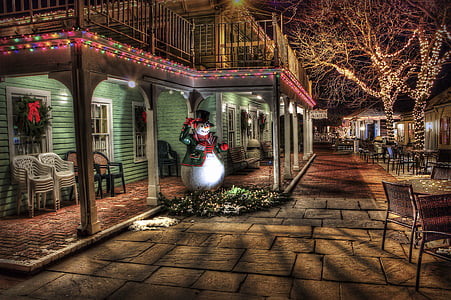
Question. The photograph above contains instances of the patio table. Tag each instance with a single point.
(427, 186)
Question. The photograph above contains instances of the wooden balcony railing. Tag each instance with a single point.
(145, 24)
(149, 25)
(241, 44)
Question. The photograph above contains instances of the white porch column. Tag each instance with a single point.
(275, 136)
(308, 135)
(295, 138)
(287, 136)
(153, 187)
(219, 132)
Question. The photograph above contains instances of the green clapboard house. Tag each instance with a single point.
(118, 82)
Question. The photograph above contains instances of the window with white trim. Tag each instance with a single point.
(231, 125)
(18, 112)
(101, 126)
(140, 130)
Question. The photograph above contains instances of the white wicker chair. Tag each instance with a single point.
(63, 172)
(33, 178)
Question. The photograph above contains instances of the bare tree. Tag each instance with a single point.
(362, 41)
(384, 48)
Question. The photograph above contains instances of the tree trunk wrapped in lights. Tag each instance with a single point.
(388, 109)
(418, 116)
(430, 61)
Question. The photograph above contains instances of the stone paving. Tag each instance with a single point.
(322, 244)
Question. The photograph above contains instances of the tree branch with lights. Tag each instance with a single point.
(383, 48)
(354, 39)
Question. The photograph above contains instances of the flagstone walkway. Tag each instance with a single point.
(322, 244)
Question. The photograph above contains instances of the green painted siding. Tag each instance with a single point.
(123, 131)
(63, 132)
(171, 114)
(239, 102)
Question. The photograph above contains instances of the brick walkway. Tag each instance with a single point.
(26, 239)
(323, 244)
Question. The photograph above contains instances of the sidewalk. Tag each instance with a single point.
(323, 244)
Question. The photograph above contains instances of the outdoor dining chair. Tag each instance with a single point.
(441, 172)
(63, 173)
(394, 158)
(435, 219)
(401, 209)
(72, 157)
(35, 179)
(166, 157)
(108, 170)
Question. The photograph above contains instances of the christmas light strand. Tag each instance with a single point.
(92, 41)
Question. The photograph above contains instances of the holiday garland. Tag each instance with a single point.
(32, 117)
(231, 201)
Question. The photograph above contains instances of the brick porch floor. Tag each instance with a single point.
(27, 243)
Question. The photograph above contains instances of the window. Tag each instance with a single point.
(231, 125)
(22, 140)
(101, 126)
(140, 130)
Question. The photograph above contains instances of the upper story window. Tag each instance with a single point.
(101, 114)
(29, 115)
(140, 130)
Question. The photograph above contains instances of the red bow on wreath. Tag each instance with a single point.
(33, 112)
(144, 116)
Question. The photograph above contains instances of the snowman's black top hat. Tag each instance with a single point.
(202, 116)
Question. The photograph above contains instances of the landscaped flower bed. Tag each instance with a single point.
(233, 201)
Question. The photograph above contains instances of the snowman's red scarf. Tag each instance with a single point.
(208, 141)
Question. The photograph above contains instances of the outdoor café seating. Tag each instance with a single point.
(435, 219)
(72, 157)
(441, 172)
(108, 170)
(167, 157)
(393, 158)
(35, 179)
(401, 210)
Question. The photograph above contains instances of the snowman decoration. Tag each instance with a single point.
(202, 166)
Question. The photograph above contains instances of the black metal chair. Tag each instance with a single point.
(435, 219)
(393, 158)
(166, 157)
(72, 156)
(108, 170)
(401, 209)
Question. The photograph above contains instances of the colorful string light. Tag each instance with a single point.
(93, 41)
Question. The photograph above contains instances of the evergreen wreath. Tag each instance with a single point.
(32, 117)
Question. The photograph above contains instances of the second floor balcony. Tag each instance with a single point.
(205, 44)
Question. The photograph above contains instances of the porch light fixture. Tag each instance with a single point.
(131, 84)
